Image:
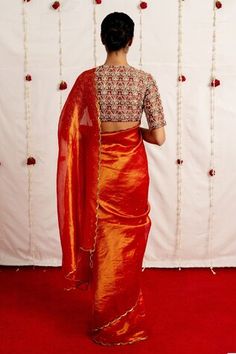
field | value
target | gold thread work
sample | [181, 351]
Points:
[117, 318]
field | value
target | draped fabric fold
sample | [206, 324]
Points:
[102, 201]
[123, 227]
[77, 176]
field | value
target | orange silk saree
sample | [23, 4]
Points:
[102, 191]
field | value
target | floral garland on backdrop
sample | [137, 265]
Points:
[56, 5]
[28, 118]
[215, 82]
[179, 160]
[142, 6]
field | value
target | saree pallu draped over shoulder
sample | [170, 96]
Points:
[102, 201]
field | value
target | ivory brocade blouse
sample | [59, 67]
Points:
[124, 92]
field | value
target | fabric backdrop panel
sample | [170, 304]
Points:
[38, 243]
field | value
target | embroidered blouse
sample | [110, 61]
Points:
[124, 92]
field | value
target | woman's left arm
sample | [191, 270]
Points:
[154, 136]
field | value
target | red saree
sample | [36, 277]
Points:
[102, 191]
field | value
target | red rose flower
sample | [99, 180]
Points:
[63, 85]
[143, 5]
[212, 172]
[179, 161]
[55, 5]
[215, 83]
[31, 161]
[98, 2]
[28, 77]
[182, 78]
[218, 4]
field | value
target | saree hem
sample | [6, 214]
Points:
[120, 343]
[117, 318]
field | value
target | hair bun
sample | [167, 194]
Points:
[116, 38]
[116, 30]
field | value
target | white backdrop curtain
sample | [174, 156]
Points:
[38, 243]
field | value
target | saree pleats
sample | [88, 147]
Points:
[123, 227]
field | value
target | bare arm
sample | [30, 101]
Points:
[153, 108]
[154, 136]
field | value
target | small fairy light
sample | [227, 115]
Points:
[98, 2]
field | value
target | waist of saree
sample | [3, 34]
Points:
[125, 137]
[124, 177]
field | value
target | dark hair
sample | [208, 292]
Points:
[117, 29]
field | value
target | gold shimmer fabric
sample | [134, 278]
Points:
[102, 191]
[118, 309]
[77, 179]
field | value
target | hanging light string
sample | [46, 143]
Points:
[95, 33]
[212, 140]
[27, 105]
[179, 161]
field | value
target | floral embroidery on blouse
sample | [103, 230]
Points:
[124, 92]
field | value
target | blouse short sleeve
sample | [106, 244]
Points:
[153, 105]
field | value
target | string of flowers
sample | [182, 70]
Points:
[143, 5]
[96, 2]
[179, 161]
[56, 5]
[27, 104]
[214, 83]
